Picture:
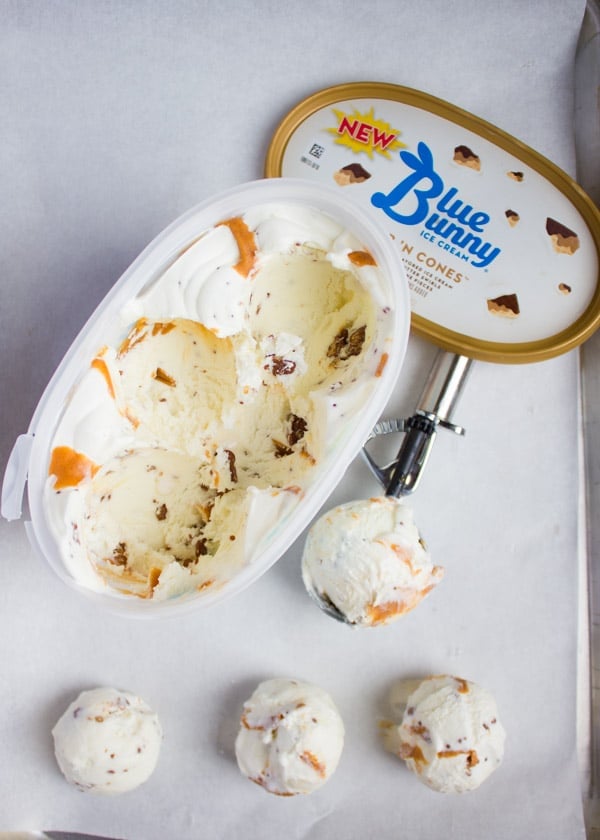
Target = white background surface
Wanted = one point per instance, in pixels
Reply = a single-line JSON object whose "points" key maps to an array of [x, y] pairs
{"points": [[117, 117]]}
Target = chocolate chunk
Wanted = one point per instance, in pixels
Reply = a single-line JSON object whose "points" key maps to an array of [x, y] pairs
{"points": [[298, 427], [355, 342], [232, 468], [346, 343], [282, 367], [119, 555], [338, 343], [281, 450]]}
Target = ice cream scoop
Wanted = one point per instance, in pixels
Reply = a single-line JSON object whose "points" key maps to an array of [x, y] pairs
{"points": [[340, 554], [450, 735], [365, 563], [107, 741], [291, 737]]}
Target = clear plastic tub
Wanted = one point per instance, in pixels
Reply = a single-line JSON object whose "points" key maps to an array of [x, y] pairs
{"points": [[28, 464]]}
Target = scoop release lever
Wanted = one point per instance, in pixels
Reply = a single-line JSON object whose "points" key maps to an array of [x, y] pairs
{"points": [[435, 408]]}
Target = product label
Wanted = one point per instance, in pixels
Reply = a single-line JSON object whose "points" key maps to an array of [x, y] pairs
{"points": [[492, 249], [452, 220], [365, 133]]}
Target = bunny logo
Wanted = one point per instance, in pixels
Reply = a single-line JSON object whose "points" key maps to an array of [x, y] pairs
{"points": [[453, 223]]}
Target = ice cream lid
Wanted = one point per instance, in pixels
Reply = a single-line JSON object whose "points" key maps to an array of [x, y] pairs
{"points": [[500, 246]]}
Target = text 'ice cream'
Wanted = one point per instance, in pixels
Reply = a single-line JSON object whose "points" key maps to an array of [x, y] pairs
{"points": [[107, 741], [196, 431], [367, 560], [450, 735], [291, 737]]}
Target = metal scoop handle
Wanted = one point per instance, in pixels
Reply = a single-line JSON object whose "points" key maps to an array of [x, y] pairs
{"points": [[435, 408]]}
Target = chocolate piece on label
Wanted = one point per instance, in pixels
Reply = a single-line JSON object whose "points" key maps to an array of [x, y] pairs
{"points": [[353, 173], [516, 176], [553, 227], [465, 157], [564, 240], [564, 289], [512, 217], [506, 306]]}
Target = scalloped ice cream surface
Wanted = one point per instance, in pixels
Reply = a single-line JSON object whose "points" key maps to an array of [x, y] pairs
{"points": [[367, 559], [195, 430], [107, 741], [450, 735], [291, 737]]}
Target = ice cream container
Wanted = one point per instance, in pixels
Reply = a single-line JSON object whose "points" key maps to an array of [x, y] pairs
{"points": [[500, 246], [101, 445]]}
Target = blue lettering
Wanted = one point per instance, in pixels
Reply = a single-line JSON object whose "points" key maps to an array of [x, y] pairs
{"points": [[486, 258], [423, 170], [443, 227], [443, 202], [462, 212], [478, 220], [424, 184]]}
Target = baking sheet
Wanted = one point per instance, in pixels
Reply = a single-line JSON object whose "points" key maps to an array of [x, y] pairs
{"points": [[116, 118], [587, 144]]}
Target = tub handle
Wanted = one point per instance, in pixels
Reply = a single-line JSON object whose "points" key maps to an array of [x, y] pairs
{"points": [[15, 476]]}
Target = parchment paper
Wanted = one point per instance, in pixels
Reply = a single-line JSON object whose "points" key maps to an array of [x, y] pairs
{"points": [[117, 117]]}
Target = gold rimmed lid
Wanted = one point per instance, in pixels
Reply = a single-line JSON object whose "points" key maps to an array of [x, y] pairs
{"points": [[501, 248]]}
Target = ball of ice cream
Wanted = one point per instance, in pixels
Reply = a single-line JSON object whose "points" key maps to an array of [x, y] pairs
{"points": [[291, 737], [107, 741], [367, 559], [450, 735]]}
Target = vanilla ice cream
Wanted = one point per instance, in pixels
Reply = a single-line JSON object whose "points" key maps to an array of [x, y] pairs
{"points": [[367, 559], [450, 735], [291, 737], [207, 413], [107, 741]]}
